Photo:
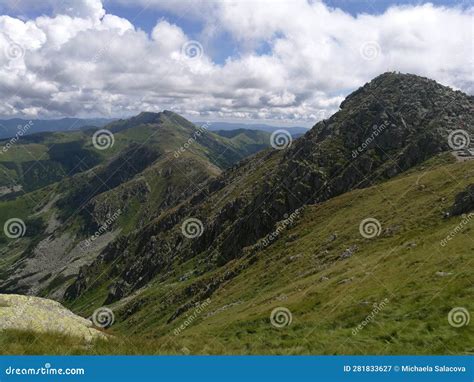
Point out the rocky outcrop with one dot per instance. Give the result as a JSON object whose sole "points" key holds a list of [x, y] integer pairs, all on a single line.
{"points": [[463, 202], [39, 315]]}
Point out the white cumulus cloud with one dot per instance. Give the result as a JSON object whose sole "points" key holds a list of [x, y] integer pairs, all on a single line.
{"points": [[295, 60]]}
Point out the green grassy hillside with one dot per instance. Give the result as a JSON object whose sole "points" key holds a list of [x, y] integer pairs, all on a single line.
{"points": [[70, 189]]}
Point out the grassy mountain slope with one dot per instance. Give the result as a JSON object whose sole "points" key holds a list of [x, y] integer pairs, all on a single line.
{"points": [[329, 294], [157, 160], [37, 160]]}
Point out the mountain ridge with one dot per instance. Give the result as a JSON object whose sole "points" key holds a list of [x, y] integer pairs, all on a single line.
{"points": [[296, 173]]}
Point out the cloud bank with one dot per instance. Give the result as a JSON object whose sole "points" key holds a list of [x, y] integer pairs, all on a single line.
{"points": [[296, 59]]}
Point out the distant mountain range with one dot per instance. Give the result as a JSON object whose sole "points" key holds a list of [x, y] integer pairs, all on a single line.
{"points": [[295, 131], [10, 127]]}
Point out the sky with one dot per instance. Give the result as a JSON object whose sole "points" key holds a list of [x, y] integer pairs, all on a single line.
{"points": [[287, 62]]}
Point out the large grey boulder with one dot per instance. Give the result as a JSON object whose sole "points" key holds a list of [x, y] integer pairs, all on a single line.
{"points": [[43, 316]]}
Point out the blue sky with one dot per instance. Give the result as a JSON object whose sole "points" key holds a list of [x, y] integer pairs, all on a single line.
{"points": [[145, 18], [282, 61]]}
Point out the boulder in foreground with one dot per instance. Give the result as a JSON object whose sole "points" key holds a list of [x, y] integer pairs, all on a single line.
{"points": [[41, 315]]}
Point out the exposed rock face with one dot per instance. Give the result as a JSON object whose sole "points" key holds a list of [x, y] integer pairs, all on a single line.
{"points": [[43, 316], [463, 202], [54, 260]]}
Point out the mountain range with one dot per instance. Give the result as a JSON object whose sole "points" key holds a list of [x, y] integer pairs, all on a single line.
{"points": [[295, 131], [10, 127], [241, 241]]}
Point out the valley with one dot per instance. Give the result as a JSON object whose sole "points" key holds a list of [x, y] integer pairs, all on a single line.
{"points": [[355, 238]]}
